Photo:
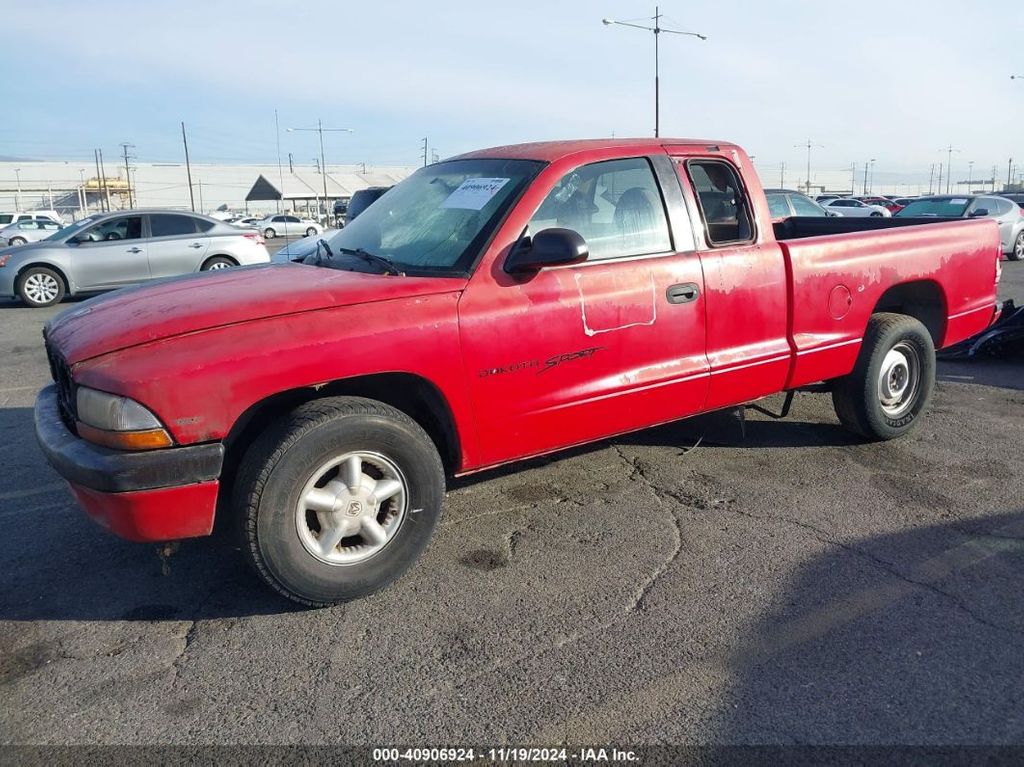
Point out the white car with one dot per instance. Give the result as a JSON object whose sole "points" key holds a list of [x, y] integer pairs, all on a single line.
{"points": [[35, 215], [846, 206], [288, 225]]}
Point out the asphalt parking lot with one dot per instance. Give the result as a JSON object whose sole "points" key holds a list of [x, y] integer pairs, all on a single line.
{"points": [[795, 586]]}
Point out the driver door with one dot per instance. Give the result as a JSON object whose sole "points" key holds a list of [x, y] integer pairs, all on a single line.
{"points": [[110, 254], [568, 354]]}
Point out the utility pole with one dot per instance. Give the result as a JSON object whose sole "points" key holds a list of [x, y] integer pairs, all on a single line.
{"points": [[280, 170], [17, 193], [188, 168], [949, 168], [657, 29], [853, 177], [931, 178], [103, 179], [424, 152], [970, 175], [127, 172], [1009, 172], [81, 192], [291, 166], [808, 146], [323, 158], [995, 170], [782, 176], [939, 188], [96, 156]]}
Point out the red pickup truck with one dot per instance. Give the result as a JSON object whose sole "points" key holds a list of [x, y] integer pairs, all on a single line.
{"points": [[503, 304]]}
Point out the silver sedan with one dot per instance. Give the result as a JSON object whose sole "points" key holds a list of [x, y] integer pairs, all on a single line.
{"points": [[118, 249], [24, 232]]}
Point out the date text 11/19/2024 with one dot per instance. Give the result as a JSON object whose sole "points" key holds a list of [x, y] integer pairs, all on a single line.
{"points": [[559, 754]]}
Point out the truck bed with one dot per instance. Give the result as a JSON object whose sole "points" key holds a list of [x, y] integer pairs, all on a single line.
{"points": [[839, 271]]}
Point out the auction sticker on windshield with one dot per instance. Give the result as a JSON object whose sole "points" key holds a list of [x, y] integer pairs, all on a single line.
{"points": [[474, 193]]}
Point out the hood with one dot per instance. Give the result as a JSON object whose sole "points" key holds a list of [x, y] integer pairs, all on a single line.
{"points": [[197, 302]]}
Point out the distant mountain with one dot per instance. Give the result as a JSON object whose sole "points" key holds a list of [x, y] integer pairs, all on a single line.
{"points": [[8, 158]]}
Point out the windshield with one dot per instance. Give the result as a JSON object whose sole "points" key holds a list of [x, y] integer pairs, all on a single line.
{"points": [[70, 231], [439, 218], [942, 207]]}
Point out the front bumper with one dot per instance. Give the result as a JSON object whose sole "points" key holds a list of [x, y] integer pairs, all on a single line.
{"points": [[153, 495]]}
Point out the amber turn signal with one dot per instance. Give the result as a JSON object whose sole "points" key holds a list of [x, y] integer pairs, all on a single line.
{"points": [[150, 439]]}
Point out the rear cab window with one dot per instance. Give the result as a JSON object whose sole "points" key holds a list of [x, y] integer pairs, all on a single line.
{"points": [[722, 201]]}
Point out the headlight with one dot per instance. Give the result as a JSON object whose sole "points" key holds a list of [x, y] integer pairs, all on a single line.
{"points": [[118, 422]]}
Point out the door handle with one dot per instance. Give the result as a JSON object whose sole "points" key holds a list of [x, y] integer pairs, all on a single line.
{"points": [[134, 250], [682, 293], [196, 245]]}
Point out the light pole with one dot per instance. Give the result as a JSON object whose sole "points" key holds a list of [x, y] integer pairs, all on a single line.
{"points": [[809, 145], [657, 29], [323, 160], [970, 175], [871, 179], [17, 193], [949, 166], [870, 163]]}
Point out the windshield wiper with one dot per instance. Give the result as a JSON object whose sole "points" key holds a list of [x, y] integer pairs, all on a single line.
{"points": [[386, 263]]}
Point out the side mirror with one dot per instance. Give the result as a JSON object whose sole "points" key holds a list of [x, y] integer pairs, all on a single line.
{"points": [[979, 213], [550, 247]]}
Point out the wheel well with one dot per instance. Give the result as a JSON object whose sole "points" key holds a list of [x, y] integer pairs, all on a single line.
{"points": [[923, 300], [413, 395], [44, 265]]}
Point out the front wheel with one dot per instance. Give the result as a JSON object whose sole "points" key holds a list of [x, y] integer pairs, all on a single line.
{"points": [[338, 499], [40, 286], [892, 382], [18, 241], [1016, 253]]}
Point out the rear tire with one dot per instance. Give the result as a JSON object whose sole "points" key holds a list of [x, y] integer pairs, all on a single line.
{"points": [[217, 262], [39, 286], [892, 382], [18, 241], [311, 536], [310, 232], [876, 214], [1016, 252], [269, 233]]}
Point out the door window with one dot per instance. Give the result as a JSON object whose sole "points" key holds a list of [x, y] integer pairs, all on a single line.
{"points": [[778, 206], [124, 228], [805, 207], [615, 206], [171, 225], [723, 203]]}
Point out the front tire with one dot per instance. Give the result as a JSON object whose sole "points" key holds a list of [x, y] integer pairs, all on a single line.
{"points": [[39, 286], [18, 241], [892, 382], [1016, 252], [338, 499]]}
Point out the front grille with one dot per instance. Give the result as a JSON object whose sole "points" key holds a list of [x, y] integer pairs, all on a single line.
{"points": [[65, 386]]}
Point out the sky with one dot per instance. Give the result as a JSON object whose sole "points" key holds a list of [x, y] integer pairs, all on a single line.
{"points": [[895, 82]]}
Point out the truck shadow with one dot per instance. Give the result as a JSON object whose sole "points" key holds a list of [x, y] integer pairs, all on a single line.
{"points": [[1007, 373], [912, 637]]}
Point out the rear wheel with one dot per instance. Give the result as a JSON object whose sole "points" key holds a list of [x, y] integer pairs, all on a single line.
{"points": [[892, 382], [217, 262], [876, 214], [310, 232], [18, 241], [1016, 253], [40, 286], [269, 233], [338, 499]]}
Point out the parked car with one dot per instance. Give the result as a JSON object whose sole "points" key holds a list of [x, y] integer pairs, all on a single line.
{"points": [[847, 206], [126, 248], [904, 201], [35, 215], [1012, 197], [890, 205], [361, 200], [244, 221], [783, 203], [499, 305], [821, 199], [288, 225], [1007, 214], [300, 249], [29, 230]]}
